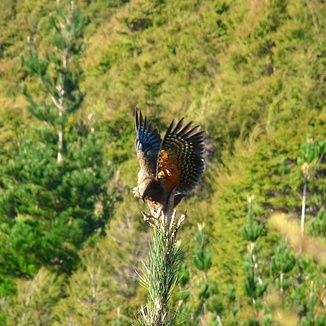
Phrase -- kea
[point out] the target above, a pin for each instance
(171, 168)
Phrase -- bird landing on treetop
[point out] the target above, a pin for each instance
(174, 165)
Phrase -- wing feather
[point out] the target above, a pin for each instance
(181, 160)
(148, 144)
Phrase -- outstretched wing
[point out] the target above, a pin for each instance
(148, 145)
(181, 160)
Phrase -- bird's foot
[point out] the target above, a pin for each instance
(171, 224)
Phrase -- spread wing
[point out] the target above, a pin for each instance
(148, 145)
(181, 160)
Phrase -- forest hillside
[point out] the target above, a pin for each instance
(251, 73)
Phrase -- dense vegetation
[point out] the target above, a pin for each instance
(251, 73)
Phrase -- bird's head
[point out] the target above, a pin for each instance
(153, 192)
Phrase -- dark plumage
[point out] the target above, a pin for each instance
(174, 163)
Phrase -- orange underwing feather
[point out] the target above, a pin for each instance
(181, 154)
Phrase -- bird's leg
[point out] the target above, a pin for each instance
(147, 216)
(167, 221)
(154, 219)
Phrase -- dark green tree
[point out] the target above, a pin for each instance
(255, 287)
(312, 164)
(208, 300)
(282, 264)
(53, 190)
(200, 302)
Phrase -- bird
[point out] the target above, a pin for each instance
(169, 167)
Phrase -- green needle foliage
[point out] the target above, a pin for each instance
(35, 300)
(255, 287)
(58, 72)
(282, 264)
(53, 194)
(200, 302)
(160, 275)
(202, 257)
(253, 231)
(209, 308)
